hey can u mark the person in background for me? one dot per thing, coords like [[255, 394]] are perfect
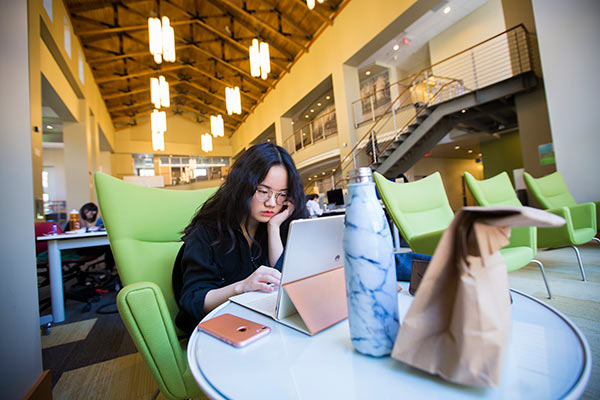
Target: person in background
[[87, 216], [234, 242], [312, 205]]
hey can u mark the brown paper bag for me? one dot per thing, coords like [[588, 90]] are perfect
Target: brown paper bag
[[458, 325]]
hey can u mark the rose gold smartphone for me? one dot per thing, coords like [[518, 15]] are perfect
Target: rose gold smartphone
[[234, 330]]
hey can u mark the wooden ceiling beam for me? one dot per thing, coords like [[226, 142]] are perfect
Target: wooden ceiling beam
[[201, 89], [262, 23], [248, 95], [259, 84], [99, 5], [136, 75], [125, 108], [216, 109], [113, 96], [237, 45], [198, 113], [315, 11], [251, 29], [129, 28], [222, 82], [130, 55], [274, 9]]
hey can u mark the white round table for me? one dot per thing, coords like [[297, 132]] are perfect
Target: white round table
[[548, 358]]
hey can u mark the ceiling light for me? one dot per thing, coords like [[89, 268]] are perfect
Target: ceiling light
[[333, 170], [158, 121], [310, 4], [206, 142], [315, 176], [312, 110], [469, 151], [49, 127], [216, 126], [161, 39], [158, 141], [463, 111], [456, 147], [309, 178], [318, 104], [327, 97], [322, 173], [260, 64], [479, 154], [447, 9], [367, 73], [159, 92], [233, 101], [396, 46], [306, 116]]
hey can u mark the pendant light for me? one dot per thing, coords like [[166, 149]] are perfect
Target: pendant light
[[158, 141], [161, 39], [260, 63], [159, 92], [217, 126], [206, 142], [233, 101]]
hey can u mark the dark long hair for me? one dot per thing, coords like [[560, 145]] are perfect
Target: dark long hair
[[230, 205]]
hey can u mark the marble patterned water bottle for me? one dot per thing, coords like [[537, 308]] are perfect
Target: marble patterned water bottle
[[370, 269]]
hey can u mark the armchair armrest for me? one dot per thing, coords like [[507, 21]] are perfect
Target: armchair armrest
[[426, 242], [146, 316], [584, 215]]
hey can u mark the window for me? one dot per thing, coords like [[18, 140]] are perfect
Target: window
[[67, 36], [48, 8], [81, 77]]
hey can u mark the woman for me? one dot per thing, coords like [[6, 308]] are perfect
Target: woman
[[234, 243]]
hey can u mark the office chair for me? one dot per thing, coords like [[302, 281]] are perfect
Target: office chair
[[552, 194], [144, 230], [419, 209], [498, 191], [75, 265]]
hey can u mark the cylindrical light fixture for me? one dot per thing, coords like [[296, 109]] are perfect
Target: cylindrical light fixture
[[233, 102], [155, 39], [155, 92], [310, 4], [206, 142], [254, 58], [158, 121], [217, 126], [265, 61], [158, 141], [168, 40], [165, 101]]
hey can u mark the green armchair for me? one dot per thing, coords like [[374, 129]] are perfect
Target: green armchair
[[552, 194], [419, 209], [143, 226], [498, 191]]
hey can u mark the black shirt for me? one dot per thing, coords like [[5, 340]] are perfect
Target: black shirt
[[202, 266]]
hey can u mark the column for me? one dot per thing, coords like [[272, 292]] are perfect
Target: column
[[346, 88], [20, 347], [76, 137]]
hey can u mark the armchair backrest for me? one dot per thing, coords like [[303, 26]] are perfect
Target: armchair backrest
[[495, 191], [416, 207], [143, 226], [550, 191]]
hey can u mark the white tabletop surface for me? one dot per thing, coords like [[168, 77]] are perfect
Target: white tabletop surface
[[548, 358], [73, 234]]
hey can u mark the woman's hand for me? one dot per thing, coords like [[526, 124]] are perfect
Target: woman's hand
[[264, 279], [284, 214]]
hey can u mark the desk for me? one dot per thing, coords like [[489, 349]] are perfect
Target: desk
[[56, 243], [548, 358]]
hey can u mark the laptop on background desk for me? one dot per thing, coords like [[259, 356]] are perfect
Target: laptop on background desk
[[312, 293]]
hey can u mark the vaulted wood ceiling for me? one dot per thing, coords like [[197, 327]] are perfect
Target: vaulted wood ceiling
[[212, 38]]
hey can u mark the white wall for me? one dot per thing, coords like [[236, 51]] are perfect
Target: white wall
[[568, 33], [54, 161], [20, 348]]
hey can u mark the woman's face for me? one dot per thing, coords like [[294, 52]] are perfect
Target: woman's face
[[277, 181], [90, 215]]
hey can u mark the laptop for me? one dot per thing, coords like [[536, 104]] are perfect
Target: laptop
[[312, 294]]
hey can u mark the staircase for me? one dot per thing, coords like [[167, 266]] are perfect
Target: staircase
[[472, 90]]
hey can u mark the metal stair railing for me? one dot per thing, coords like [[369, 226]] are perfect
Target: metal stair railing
[[493, 60]]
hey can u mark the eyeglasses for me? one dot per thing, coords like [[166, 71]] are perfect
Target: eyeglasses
[[264, 193]]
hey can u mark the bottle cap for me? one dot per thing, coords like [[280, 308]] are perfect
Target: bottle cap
[[362, 174]]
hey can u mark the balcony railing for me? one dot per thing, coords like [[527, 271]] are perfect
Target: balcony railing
[[498, 58], [319, 128]]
